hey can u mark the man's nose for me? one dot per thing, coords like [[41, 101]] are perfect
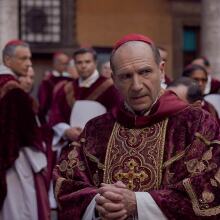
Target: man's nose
[[137, 82], [29, 63], [84, 65]]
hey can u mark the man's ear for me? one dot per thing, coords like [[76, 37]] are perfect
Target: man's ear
[[7, 60], [162, 70]]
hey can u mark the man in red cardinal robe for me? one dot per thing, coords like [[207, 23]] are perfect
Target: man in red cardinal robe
[[90, 86], [152, 157], [51, 79], [23, 192]]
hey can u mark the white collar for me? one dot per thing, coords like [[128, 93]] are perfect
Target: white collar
[[57, 74], [208, 85], [5, 70], [89, 81]]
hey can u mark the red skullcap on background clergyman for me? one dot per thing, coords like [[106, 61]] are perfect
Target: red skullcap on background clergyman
[[57, 53], [15, 42], [132, 37]]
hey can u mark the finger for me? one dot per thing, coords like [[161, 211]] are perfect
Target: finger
[[112, 188], [116, 215], [113, 207], [120, 184], [78, 128], [101, 210], [112, 196], [101, 200]]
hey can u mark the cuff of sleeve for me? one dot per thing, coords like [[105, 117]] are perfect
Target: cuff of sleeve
[[59, 130], [90, 211], [147, 208]]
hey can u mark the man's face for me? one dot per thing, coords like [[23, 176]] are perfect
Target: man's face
[[106, 70], [201, 77], [20, 61], [27, 81], [85, 65], [136, 75], [61, 63]]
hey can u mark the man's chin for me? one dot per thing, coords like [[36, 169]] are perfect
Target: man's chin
[[140, 110]]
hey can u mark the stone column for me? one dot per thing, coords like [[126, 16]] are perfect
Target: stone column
[[9, 23], [211, 33]]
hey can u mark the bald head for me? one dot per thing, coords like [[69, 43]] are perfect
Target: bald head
[[130, 44], [60, 62]]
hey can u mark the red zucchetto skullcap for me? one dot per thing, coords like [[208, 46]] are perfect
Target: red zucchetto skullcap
[[15, 42], [57, 54], [132, 37]]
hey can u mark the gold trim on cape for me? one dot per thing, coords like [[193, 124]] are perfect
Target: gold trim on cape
[[58, 186], [199, 209]]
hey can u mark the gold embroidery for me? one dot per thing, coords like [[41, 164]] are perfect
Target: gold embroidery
[[94, 159], [207, 155], [131, 175], [200, 209], [174, 158], [75, 143], [217, 176], [207, 142], [68, 166], [207, 197], [63, 166], [72, 154], [135, 156], [196, 166], [213, 182], [58, 186]]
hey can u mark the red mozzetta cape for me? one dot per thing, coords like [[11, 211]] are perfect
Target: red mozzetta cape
[[45, 93], [173, 154], [102, 91]]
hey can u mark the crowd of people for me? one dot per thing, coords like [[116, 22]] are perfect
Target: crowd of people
[[124, 142]]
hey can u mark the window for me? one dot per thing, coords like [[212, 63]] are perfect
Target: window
[[47, 25], [40, 21], [191, 43]]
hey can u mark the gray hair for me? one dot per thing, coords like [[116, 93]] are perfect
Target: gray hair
[[9, 49]]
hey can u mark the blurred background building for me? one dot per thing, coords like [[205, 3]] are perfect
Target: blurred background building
[[184, 28]]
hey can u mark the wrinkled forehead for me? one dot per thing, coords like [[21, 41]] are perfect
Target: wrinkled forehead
[[132, 48]]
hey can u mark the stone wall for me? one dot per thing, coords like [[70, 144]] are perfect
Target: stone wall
[[8, 22]]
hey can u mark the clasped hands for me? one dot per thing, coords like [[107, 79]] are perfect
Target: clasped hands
[[115, 201]]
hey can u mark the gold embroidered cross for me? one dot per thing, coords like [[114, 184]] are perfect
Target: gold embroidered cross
[[131, 175]]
